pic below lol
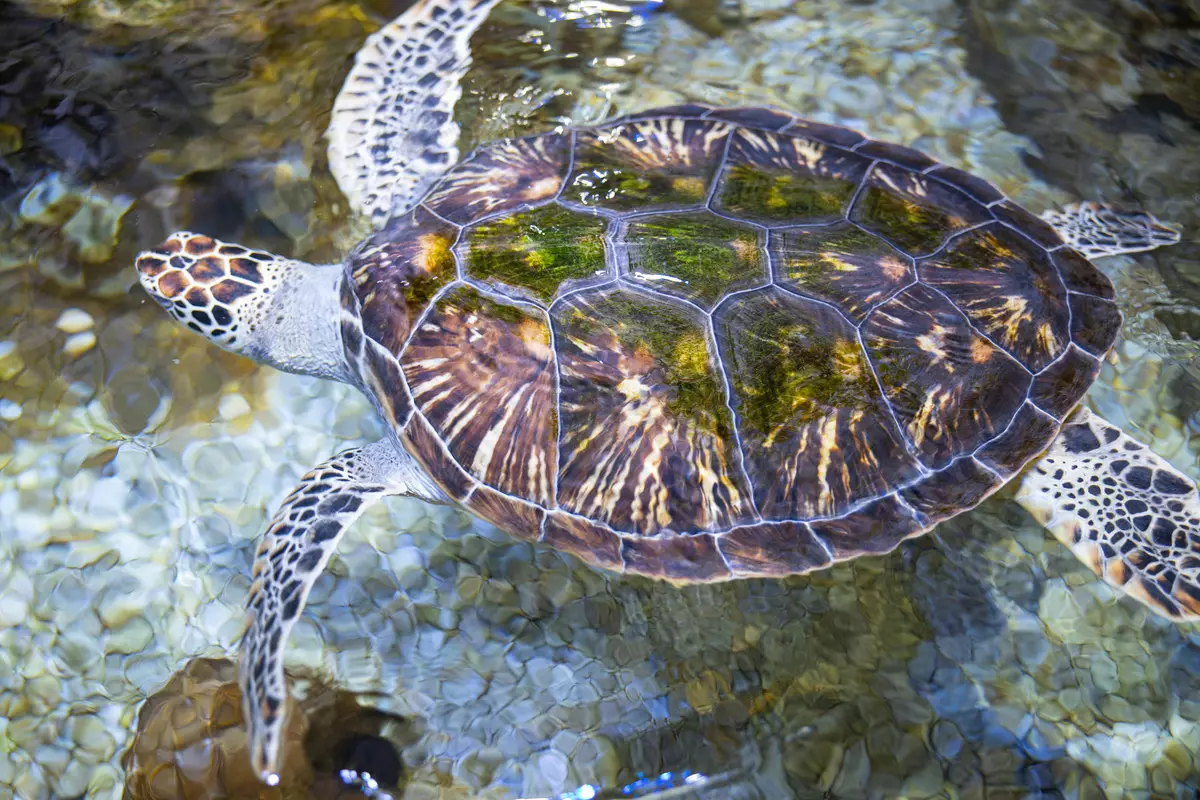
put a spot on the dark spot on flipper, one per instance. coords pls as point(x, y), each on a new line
point(1139, 477)
point(228, 291)
point(1118, 466)
point(1142, 523)
point(325, 530)
point(245, 269)
point(1111, 435)
point(308, 562)
point(306, 502)
point(1163, 532)
point(291, 608)
point(1168, 483)
point(339, 504)
point(1135, 507)
point(1080, 439)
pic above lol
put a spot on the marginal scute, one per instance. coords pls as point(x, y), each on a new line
point(538, 253)
point(700, 256)
point(913, 211)
point(647, 438)
point(502, 176)
point(753, 117)
point(423, 442)
point(792, 180)
point(1081, 275)
point(816, 434)
point(897, 154)
point(1008, 289)
point(1029, 434)
point(875, 528)
point(829, 134)
point(482, 373)
point(398, 271)
point(1059, 387)
point(954, 488)
point(521, 520)
point(1027, 223)
point(1095, 323)
point(677, 558)
point(841, 264)
point(593, 543)
point(646, 164)
point(772, 549)
point(950, 388)
point(383, 375)
point(973, 185)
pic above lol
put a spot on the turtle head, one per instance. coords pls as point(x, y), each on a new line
point(276, 310)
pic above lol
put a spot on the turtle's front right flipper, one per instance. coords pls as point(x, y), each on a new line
point(392, 133)
point(298, 543)
point(1123, 510)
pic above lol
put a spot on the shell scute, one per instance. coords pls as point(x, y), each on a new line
point(1095, 323)
point(507, 175)
point(951, 389)
point(914, 212)
point(954, 488)
point(841, 264)
point(906, 157)
point(398, 271)
point(647, 438)
point(772, 178)
point(1009, 290)
point(877, 527)
point(1029, 434)
point(754, 117)
point(539, 253)
point(773, 549)
point(699, 257)
point(594, 543)
point(646, 164)
point(679, 558)
point(816, 434)
point(1058, 387)
point(482, 373)
point(1081, 275)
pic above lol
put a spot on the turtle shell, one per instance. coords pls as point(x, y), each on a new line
point(701, 343)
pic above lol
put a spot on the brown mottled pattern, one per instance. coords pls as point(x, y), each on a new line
point(483, 374)
point(816, 433)
point(1009, 290)
point(646, 476)
point(647, 439)
point(950, 388)
point(502, 176)
point(841, 264)
point(398, 271)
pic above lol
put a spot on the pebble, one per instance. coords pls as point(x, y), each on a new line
point(74, 320)
point(79, 343)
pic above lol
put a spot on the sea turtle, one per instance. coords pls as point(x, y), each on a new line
point(692, 343)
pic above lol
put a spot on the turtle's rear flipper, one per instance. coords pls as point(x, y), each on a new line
point(392, 133)
point(1099, 229)
point(299, 541)
point(1124, 511)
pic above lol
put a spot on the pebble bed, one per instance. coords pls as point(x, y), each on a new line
point(138, 467)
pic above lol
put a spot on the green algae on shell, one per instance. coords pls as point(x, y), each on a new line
point(537, 251)
point(697, 256)
point(776, 195)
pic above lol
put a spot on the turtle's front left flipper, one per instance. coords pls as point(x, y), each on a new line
point(1123, 510)
point(392, 133)
point(299, 541)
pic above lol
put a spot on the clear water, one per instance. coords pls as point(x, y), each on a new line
point(138, 464)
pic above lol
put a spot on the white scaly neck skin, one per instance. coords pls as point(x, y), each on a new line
point(299, 329)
